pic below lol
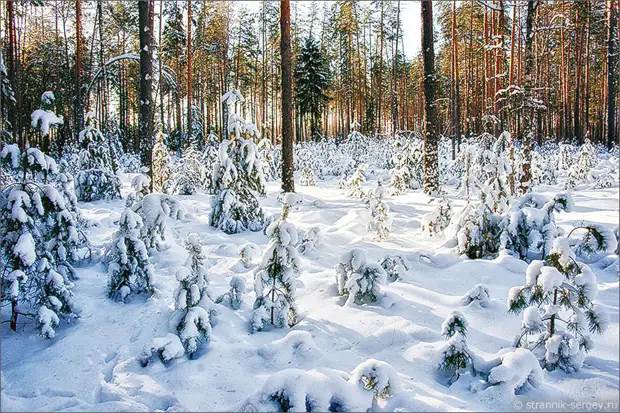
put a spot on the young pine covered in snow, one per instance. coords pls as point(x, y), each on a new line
point(192, 304)
point(95, 178)
point(274, 281)
point(438, 219)
point(380, 224)
point(235, 207)
point(558, 309)
point(359, 279)
point(38, 234)
point(454, 356)
point(162, 162)
point(530, 224)
point(129, 269)
point(188, 172)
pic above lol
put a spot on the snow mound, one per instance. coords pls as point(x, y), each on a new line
point(324, 390)
point(296, 345)
point(517, 369)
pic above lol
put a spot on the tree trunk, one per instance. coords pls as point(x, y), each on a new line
point(431, 173)
point(611, 75)
point(160, 62)
point(79, 58)
point(288, 180)
point(189, 67)
point(145, 10)
point(394, 79)
point(529, 110)
point(457, 96)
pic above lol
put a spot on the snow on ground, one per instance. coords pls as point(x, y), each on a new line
point(92, 365)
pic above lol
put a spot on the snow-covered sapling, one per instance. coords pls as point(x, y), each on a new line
point(439, 218)
point(477, 231)
point(376, 376)
point(517, 370)
point(558, 309)
point(129, 269)
point(479, 294)
point(190, 320)
point(395, 266)
point(249, 254)
point(354, 185)
point(188, 172)
point(45, 119)
point(165, 348)
point(454, 356)
point(154, 209)
point(192, 303)
point(358, 279)
point(141, 185)
point(312, 239)
point(274, 280)
point(235, 206)
point(530, 224)
point(37, 234)
point(162, 163)
point(95, 178)
point(381, 223)
point(595, 238)
point(233, 298)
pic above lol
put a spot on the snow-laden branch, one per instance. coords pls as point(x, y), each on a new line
point(167, 73)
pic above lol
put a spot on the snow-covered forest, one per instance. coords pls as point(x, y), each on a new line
point(309, 206)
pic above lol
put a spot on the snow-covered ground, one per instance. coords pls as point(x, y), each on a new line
point(92, 364)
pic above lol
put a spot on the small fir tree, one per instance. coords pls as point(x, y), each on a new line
point(188, 172)
point(95, 178)
point(37, 238)
point(558, 309)
point(359, 280)
point(162, 162)
point(233, 298)
point(437, 220)
point(274, 280)
point(129, 269)
point(455, 355)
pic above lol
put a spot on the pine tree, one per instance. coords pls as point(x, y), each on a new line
point(129, 269)
point(311, 83)
point(455, 355)
point(310, 241)
point(95, 179)
point(274, 280)
point(558, 292)
point(37, 235)
point(380, 223)
point(358, 279)
point(395, 266)
point(477, 231)
point(437, 220)
point(354, 184)
point(233, 298)
point(188, 172)
point(141, 185)
point(192, 303)
point(235, 207)
point(530, 225)
point(162, 174)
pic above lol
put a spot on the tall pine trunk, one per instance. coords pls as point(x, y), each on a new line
point(189, 67)
point(145, 11)
point(79, 59)
point(288, 180)
point(611, 74)
point(431, 170)
point(526, 177)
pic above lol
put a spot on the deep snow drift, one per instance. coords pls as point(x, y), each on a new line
point(93, 364)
